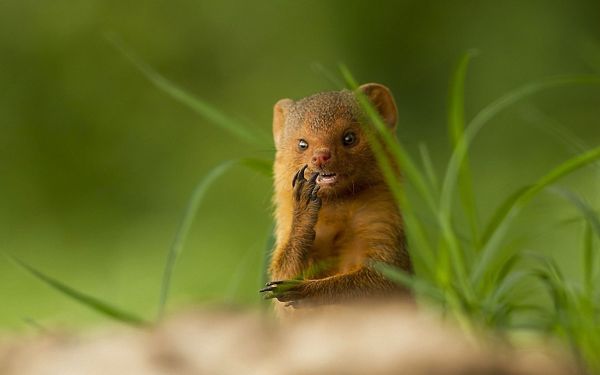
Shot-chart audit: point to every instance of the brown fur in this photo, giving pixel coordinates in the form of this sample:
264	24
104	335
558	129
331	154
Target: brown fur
324	242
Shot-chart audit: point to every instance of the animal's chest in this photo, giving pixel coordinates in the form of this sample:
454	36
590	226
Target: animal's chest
336	247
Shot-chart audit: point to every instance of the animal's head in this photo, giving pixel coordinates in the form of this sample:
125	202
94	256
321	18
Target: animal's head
326	131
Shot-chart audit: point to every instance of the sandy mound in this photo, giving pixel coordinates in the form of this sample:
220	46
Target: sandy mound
386	340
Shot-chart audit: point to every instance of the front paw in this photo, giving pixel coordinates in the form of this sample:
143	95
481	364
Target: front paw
289	291
306	201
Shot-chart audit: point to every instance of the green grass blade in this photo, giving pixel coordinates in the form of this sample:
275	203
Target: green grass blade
374	130
184	228
588	260
262	166
420	248
258	165
400	156
456	255
557	131
398	153
409	281
516	202
37	326
383	143
587	211
337	83
237	275
204	109
428	166
502	211
487	113
456	112
505	288
91	302
508	267
505	270
592	227
268	252
551	277
456	127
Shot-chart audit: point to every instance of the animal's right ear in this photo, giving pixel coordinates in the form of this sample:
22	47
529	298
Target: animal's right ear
279	113
382	99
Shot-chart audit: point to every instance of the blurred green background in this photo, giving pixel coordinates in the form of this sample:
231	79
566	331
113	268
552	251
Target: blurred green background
96	164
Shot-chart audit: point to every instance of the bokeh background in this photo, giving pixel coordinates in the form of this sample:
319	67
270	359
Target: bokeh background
97	164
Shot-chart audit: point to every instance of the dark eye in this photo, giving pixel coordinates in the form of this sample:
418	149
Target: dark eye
349	139
302	144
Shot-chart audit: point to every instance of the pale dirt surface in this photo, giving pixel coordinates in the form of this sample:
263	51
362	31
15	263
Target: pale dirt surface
383	340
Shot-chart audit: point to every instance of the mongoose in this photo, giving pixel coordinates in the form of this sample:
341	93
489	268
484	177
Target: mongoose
333	210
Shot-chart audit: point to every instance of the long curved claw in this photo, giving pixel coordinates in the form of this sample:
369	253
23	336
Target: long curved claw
313	194
299	175
271	285
283	290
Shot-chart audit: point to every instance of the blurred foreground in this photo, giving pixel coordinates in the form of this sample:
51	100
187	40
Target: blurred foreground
384	340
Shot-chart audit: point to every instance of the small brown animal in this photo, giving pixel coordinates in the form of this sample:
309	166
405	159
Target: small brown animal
329	226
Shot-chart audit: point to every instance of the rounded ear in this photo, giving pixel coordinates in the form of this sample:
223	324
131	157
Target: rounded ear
382	99
279	113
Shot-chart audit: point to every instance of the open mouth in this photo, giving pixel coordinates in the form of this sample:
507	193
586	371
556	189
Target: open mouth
326	178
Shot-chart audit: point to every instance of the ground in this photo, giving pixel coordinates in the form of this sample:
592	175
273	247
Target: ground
361	340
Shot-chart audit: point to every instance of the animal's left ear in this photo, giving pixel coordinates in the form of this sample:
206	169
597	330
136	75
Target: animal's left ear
382	99
279	113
